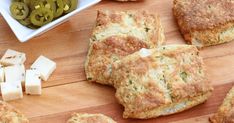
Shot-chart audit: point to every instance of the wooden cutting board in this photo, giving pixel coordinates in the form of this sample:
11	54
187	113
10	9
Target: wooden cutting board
67	91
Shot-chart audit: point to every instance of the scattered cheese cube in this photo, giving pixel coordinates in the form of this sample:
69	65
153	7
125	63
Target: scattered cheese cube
12	57
2	75
15	73
11	90
33	82
45	67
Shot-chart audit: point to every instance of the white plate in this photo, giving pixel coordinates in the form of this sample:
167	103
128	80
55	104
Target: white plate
23	33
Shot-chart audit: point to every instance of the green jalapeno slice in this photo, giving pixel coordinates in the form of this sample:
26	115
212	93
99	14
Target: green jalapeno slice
41	16
31	26
25	21
24	1
69	5
49	4
19	10
36	13
32	4
59	8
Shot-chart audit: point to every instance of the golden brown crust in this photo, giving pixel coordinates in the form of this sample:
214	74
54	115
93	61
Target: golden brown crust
169	75
9	114
215	36
225	113
140	24
203	14
89	118
200	19
116	35
103	54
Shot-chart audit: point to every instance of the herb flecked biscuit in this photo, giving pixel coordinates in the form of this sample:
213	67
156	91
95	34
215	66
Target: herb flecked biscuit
225	113
90	118
9	114
205	22
161	81
116	35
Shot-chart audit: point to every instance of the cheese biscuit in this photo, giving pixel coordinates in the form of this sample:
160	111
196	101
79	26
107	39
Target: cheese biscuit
205	22
89	118
160	81
116	35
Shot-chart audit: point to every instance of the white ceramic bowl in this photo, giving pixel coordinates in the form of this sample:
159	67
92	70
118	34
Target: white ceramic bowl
23	33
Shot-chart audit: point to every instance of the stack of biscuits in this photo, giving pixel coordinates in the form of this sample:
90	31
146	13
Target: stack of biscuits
126	51
116	35
151	80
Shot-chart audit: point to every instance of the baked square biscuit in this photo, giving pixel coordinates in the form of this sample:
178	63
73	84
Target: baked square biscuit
9	114
225	113
140	24
161	81
116	35
90	118
205	22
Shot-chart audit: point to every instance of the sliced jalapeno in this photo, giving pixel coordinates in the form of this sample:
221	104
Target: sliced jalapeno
19	10
69	5
31	26
41	11
24	1
49	4
27	2
32	3
41	16
25	21
59	8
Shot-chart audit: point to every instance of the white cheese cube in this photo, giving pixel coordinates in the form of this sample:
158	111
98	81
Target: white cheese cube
11	90
33	82
44	66
15	73
12	57
2	75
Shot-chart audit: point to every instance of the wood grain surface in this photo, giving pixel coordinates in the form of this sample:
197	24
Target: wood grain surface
67	90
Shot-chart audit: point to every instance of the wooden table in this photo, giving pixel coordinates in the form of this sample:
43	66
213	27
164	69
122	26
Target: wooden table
67	91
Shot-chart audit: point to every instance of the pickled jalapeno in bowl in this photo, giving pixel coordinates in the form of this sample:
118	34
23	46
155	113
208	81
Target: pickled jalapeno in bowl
37	13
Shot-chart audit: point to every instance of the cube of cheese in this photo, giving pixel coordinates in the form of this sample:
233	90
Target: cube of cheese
12	57
33	82
15	73
45	67
2	75
11	90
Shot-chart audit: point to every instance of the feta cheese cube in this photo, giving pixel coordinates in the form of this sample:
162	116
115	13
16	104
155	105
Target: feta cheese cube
12	57
15	73
11	90
2	75
33	82
44	66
